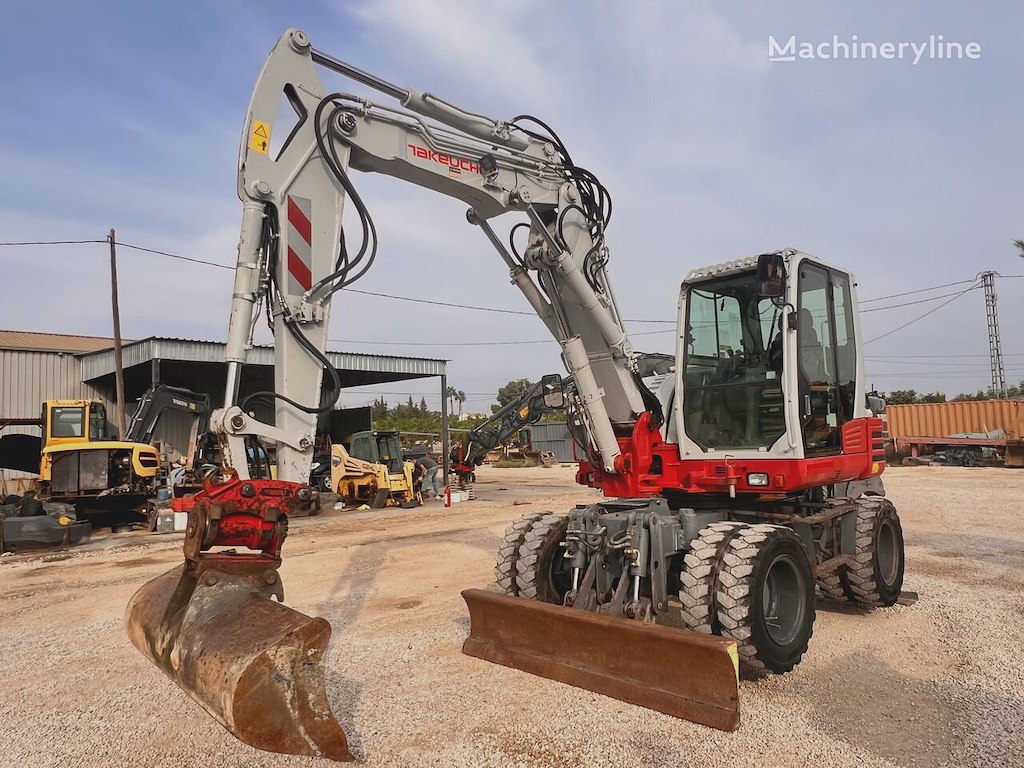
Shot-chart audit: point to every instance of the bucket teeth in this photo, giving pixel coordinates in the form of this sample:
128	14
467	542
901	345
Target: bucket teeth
685	674
254	664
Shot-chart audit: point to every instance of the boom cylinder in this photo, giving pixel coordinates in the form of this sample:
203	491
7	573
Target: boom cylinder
600	426
243	299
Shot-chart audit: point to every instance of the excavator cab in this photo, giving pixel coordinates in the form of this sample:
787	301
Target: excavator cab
763	335
378	447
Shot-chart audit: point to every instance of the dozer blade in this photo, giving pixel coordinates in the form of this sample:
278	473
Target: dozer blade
685	674
254	664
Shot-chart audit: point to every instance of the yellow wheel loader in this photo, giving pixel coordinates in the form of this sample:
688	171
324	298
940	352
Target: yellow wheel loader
744	480
371	471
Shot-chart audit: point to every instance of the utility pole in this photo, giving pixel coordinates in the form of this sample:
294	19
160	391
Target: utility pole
118	367
995	352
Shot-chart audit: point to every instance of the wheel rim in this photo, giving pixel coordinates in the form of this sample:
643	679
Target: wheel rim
886	552
559	570
782	603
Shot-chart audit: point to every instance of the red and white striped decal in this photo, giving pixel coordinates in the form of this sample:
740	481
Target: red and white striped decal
300	244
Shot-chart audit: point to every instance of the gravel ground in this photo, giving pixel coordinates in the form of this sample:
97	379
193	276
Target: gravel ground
939	683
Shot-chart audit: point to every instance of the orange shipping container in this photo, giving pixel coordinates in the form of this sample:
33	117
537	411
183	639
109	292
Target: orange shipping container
944	419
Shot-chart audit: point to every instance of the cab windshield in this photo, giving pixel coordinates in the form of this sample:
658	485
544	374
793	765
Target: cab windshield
732	365
67	421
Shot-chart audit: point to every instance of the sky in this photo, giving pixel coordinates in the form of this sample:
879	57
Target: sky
128	115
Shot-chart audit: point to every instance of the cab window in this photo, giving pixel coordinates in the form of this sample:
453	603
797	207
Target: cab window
68	421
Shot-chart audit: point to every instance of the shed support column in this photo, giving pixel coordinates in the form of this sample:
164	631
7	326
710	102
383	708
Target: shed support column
445	448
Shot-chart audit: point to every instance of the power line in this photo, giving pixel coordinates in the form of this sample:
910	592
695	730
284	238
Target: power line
56	242
522	312
901	357
921	317
468	343
350	290
908	303
919	290
174	255
123	245
470	306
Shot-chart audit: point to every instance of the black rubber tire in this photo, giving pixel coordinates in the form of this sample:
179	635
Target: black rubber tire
542	573
700	575
508	553
765	569
831	586
875	578
325	483
30	507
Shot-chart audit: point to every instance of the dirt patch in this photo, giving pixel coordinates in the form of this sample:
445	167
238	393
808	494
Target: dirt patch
869	704
407	604
140	561
57	558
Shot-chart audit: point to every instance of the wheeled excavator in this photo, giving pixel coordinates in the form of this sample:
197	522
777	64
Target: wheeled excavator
746	481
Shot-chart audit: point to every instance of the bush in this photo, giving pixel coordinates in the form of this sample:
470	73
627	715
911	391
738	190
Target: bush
514	463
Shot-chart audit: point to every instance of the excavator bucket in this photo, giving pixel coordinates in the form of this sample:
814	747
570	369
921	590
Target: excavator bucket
681	673
254	664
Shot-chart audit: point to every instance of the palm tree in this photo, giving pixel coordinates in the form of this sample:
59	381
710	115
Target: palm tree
461	397
1019	244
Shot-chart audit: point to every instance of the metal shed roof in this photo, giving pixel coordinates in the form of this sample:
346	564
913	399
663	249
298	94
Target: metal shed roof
101	363
52	342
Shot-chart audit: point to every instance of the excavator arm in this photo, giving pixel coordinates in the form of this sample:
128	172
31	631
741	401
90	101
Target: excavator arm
546	396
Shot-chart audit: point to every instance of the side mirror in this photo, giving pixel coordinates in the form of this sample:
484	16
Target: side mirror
876	404
554	397
771	275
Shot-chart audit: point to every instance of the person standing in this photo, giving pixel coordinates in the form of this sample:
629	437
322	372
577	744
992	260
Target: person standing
430	483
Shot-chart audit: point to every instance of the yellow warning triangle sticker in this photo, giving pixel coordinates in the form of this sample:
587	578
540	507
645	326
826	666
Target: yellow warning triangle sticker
259	139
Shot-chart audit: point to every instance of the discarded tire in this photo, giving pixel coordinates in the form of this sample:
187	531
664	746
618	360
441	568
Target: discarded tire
542	572
765	597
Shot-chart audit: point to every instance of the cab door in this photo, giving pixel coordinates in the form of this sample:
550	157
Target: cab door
826	357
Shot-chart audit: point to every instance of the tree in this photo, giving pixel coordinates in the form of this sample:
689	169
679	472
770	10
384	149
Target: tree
379	410
455	396
901	397
1019	245
510	392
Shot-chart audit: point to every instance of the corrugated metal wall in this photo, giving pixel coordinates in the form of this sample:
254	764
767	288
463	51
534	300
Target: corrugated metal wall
944	419
552	436
27	378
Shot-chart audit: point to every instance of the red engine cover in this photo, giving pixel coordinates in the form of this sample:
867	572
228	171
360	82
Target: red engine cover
647	466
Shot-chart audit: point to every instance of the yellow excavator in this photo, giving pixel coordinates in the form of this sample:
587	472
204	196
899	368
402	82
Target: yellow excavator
79	464
738	485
